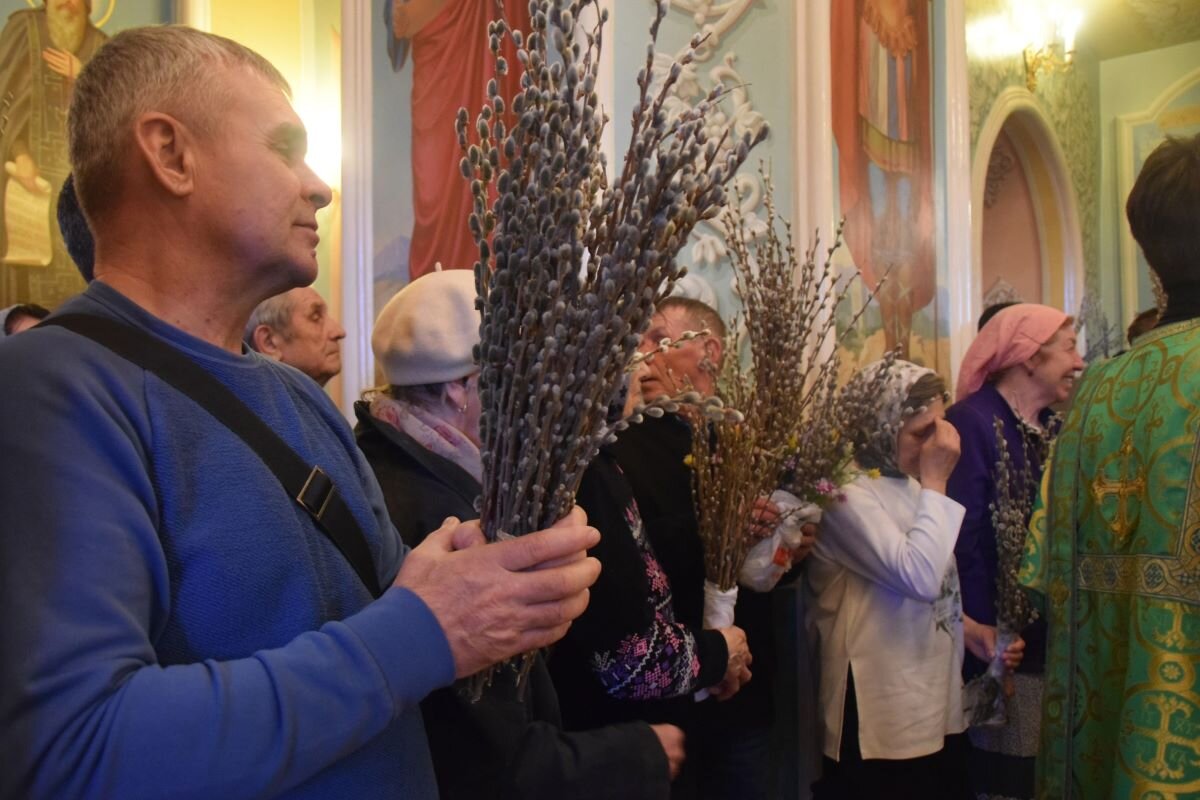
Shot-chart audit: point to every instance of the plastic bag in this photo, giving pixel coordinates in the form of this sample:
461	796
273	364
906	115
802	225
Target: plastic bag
770	559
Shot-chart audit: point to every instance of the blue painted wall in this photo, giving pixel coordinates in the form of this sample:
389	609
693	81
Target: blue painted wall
764	43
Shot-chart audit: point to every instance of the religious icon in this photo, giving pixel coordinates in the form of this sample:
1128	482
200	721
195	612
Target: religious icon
448	43
882	122
42	50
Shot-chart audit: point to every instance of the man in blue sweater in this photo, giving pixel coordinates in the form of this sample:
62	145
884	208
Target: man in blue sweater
172	623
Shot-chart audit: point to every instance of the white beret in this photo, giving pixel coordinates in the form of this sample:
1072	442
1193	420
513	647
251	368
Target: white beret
426	333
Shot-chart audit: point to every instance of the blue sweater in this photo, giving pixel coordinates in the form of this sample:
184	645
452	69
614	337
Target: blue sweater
171	623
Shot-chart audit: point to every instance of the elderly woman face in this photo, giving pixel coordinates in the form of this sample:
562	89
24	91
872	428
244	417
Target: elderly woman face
1054	367
913	435
469	407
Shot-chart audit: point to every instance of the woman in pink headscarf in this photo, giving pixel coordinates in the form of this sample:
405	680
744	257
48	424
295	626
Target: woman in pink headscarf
1023	362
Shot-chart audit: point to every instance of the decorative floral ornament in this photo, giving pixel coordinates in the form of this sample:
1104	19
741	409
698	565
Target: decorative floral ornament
714	20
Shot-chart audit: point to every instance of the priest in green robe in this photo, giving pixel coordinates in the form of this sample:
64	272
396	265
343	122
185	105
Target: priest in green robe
1114	547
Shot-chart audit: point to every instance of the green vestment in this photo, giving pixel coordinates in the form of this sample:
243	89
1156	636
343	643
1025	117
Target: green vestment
1114	548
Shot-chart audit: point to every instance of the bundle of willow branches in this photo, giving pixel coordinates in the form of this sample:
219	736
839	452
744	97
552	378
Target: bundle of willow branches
1015	492
557	335
1016	489
782	392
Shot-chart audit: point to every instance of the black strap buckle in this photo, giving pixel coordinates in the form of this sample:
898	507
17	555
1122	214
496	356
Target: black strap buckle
316	493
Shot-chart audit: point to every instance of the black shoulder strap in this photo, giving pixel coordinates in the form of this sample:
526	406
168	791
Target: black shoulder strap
308	486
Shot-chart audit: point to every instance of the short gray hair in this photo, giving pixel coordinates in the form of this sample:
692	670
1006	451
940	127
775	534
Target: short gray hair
275	312
698	312
169	68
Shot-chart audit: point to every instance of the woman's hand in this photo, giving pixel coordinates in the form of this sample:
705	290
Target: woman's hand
939	454
737	668
672	740
980	639
808	539
1014	654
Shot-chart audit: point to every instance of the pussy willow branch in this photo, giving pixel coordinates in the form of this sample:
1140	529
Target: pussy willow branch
1015	490
557	337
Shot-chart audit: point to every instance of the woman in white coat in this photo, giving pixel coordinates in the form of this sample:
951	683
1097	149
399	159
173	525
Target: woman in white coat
887	608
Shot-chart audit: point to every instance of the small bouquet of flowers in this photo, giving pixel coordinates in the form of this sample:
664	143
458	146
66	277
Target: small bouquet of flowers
820	461
789	373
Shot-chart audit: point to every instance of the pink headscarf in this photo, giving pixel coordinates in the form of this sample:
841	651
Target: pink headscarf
1010	337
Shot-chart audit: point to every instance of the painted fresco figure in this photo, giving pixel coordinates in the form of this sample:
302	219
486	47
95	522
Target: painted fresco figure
881	120
451	65
41	52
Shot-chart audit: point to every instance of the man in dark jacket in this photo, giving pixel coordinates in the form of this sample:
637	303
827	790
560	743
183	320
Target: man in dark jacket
731	743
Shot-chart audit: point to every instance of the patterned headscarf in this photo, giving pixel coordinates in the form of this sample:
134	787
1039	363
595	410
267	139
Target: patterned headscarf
876	448
1011	337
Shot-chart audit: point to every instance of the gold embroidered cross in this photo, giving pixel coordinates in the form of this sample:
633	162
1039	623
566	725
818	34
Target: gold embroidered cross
1124	489
1176	637
1164	738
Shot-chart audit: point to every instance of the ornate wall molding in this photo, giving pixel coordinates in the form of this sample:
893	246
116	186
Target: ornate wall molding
1131	304
725	15
715	20
1000	165
1002	292
1066	101
709	248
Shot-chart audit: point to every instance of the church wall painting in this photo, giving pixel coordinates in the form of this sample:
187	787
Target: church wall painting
432	59
883	121
42	48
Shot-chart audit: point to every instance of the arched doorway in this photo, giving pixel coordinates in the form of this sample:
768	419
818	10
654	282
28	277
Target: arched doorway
1010	251
1024	223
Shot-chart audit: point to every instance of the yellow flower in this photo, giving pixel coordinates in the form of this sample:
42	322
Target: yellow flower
873	473
688	459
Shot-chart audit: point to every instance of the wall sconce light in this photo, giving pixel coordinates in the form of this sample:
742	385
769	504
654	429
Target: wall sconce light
1042	32
1048	58
1052	48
